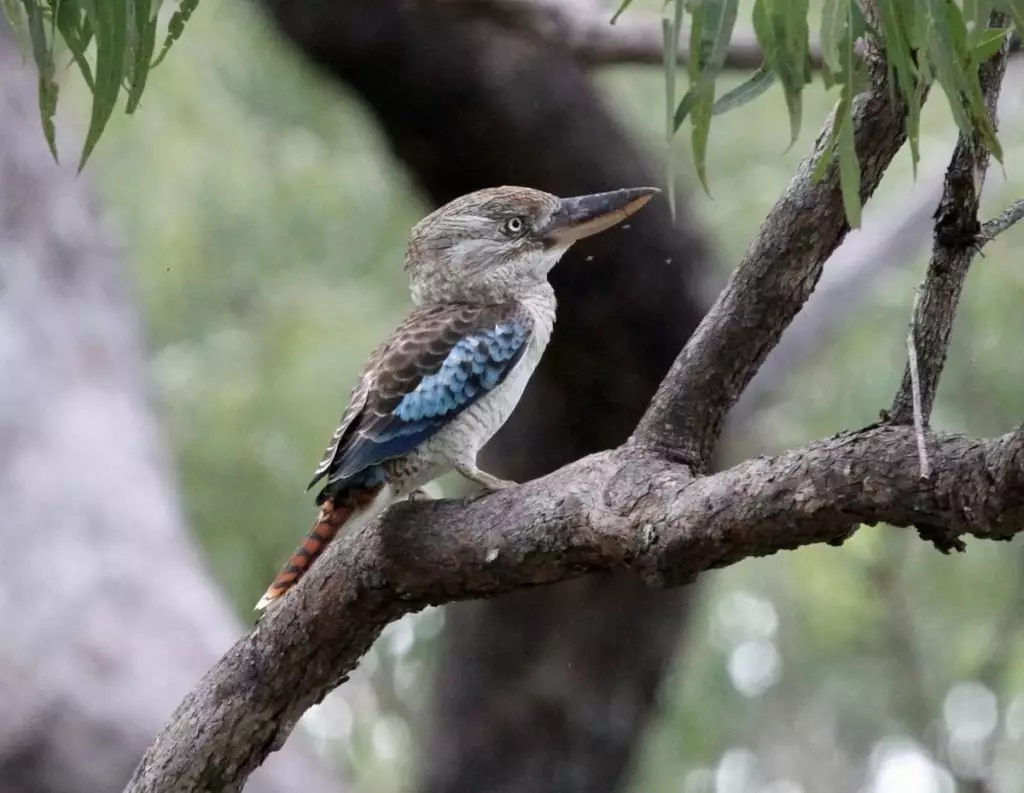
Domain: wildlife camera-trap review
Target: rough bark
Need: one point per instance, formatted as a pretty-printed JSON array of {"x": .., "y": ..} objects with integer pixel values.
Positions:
[
  {"x": 466, "y": 106},
  {"x": 106, "y": 613},
  {"x": 955, "y": 243},
  {"x": 624, "y": 508}
]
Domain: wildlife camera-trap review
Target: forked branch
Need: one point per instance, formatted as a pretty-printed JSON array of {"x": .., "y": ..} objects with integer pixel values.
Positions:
[{"x": 644, "y": 506}]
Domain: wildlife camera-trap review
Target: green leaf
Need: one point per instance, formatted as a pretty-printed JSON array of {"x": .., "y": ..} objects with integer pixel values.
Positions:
[
  {"x": 1015, "y": 10},
  {"x": 900, "y": 27},
  {"x": 957, "y": 75},
  {"x": 76, "y": 32},
  {"x": 710, "y": 32},
  {"x": 143, "y": 44},
  {"x": 671, "y": 27},
  {"x": 833, "y": 27},
  {"x": 747, "y": 91},
  {"x": 844, "y": 25},
  {"x": 829, "y": 149},
  {"x": 615, "y": 16},
  {"x": 988, "y": 45},
  {"x": 42, "y": 52},
  {"x": 849, "y": 171},
  {"x": 176, "y": 25},
  {"x": 110, "y": 25},
  {"x": 684, "y": 108},
  {"x": 782, "y": 32}
]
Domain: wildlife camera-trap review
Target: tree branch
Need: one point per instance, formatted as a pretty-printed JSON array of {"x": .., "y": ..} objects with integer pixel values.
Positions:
[
  {"x": 614, "y": 509},
  {"x": 955, "y": 245},
  {"x": 770, "y": 286},
  {"x": 582, "y": 28},
  {"x": 1010, "y": 216}
]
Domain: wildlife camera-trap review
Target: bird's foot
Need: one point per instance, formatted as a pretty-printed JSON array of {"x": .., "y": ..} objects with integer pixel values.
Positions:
[
  {"x": 419, "y": 495},
  {"x": 488, "y": 482}
]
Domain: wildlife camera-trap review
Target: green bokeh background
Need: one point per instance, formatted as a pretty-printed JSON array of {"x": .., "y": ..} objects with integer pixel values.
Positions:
[{"x": 264, "y": 224}]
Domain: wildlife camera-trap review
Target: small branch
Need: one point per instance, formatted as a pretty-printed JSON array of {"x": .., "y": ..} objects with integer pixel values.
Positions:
[
  {"x": 770, "y": 286},
  {"x": 915, "y": 381},
  {"x": 955, "y": 244},
  {"x": 1006, "y": 219},
  {"x": 623, "y": 508}
]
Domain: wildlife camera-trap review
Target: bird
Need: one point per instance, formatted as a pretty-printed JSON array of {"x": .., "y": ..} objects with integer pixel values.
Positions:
[{"x": 442, "y": 384}]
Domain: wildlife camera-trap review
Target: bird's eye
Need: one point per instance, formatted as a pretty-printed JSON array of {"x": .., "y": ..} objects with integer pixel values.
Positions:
[{"x": 513, "y": 226}]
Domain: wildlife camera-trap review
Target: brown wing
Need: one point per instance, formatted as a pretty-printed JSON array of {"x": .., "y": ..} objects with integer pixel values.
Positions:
[{"x": 434, "y": 365}]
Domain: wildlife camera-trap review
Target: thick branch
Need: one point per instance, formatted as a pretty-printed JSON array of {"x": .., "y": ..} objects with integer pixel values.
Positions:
[
  {"x": 770, "y": 286},
  {"x": 620, "y": 508},
  {"x": 955, "y": 245}
]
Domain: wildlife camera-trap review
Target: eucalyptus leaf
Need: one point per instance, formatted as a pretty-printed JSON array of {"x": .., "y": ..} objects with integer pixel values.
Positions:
[
  {"x": 42, "y": 53},
  {"x": 751, "y": 88},
  {"x": 618, "y": 12},
  {"x": 143, "y": 44},
  {"x": 77, "y": 33},
  {"x": 1015, "y": 10},
  {"x": 849, "y": 171},
  {"x": 176, "y": 25},
  {"x": 111, "y": 50}
]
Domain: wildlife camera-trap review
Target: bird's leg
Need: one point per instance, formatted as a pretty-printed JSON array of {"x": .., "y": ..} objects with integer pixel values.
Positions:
[
  {"x": 482, "y": 478},
  {"x": 419, "y": 494}
]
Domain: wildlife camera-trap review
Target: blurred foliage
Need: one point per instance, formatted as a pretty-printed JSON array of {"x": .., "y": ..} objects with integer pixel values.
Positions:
[{"x": 266, "y": 223}]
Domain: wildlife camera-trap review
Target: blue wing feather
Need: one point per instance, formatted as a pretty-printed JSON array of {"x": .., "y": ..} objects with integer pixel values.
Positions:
[{"x": 475, "y": 364}]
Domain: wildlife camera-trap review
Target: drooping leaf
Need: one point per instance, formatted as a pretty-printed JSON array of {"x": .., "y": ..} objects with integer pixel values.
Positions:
[
  {"x": 143, "y": 37},
  {"x": 957, "y": 75},
  {"x": 897, "y": 20},
  {"x": 849, "y": 170},
  {"x": 618, "y": 12},
  {"x": 843, "y": 28},
  {"x": 710, "y": 32},
  {"x": 1015, "y": 10},
  {"x": 988, "y": 45},
  {"x": 671, "y": 27},
  {"x": 76, "y": 31},
  {"x": 110, "y": 25},
  {"x": 828, "y": 151},
  {"x": 759, "y": 82},
  {"x": 783, "y": 34},
  {"x": 832, "y": 29},
  {"x": 683, "y": 108},
  {"x": 42, "y": 53},
  {"x": 176, "y": 25}
]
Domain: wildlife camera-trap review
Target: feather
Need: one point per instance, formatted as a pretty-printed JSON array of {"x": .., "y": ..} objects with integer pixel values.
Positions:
[{"x": 437, "y": 363}]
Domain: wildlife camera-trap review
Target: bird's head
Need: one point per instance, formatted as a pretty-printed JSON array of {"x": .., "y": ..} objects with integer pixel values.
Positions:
[{"x": 491, "y": 245}]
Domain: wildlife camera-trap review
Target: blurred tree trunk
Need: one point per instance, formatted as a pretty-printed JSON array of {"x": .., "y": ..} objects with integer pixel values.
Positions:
[
  {"x": 549, "y": 691},
  {"x": 106, "y": 614}
]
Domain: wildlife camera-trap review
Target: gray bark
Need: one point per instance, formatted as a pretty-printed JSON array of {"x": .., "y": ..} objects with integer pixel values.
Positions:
[{"x": 106, "y": 612}]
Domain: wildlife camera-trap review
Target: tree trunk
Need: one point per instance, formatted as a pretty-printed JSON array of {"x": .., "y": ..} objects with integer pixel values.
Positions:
[
  {"x": 106, "y": 614},
  {"x": 549, "y": 690}
]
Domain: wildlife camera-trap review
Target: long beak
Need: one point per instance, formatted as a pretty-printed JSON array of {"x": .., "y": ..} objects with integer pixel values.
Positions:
[{"x": 582, "y": 216}]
